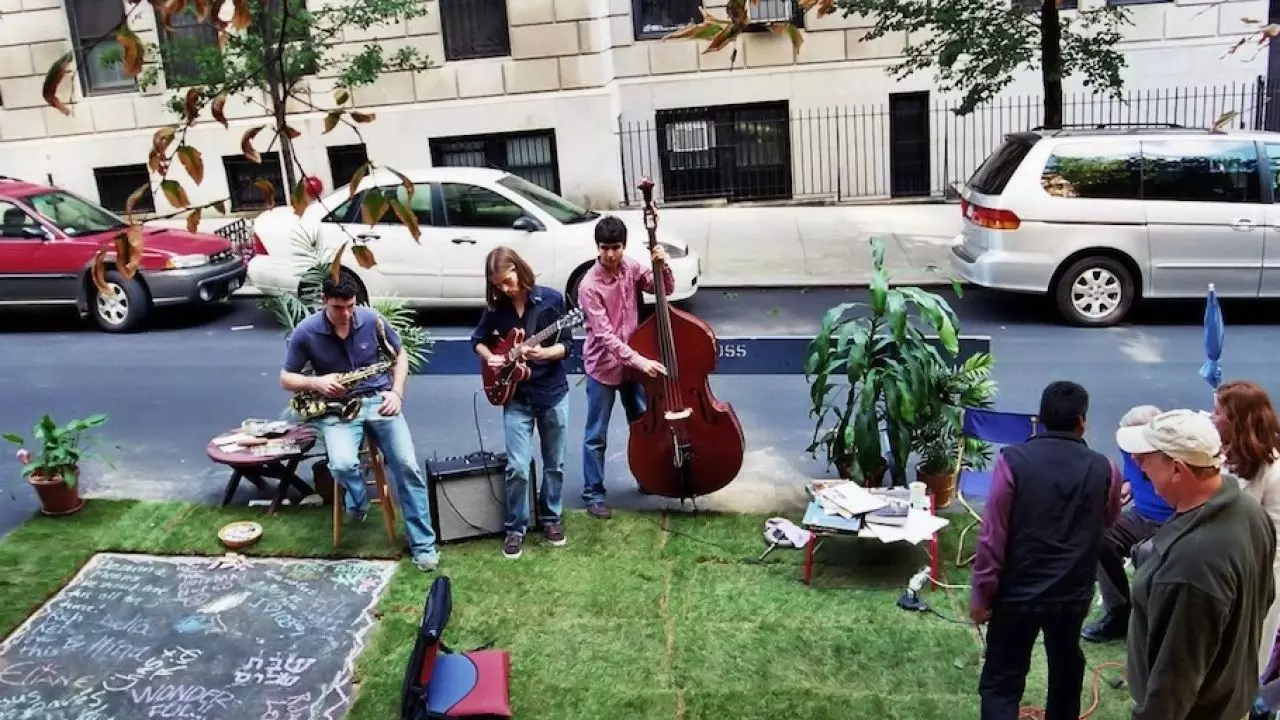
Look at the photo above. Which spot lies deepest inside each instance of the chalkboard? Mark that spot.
(138, 636)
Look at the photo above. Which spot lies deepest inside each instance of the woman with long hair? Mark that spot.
(1250, 432)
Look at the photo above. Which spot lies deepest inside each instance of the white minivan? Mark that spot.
(1100, 217)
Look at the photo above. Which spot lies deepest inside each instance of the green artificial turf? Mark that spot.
(642, 616)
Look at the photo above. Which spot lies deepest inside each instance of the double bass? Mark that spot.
(687, 443)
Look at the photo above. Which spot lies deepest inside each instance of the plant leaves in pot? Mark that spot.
(936, 439)
(52, 464)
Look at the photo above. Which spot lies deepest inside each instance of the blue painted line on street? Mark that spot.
(739, 355)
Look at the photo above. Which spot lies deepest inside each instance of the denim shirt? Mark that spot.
(547, 383)
(314, 342)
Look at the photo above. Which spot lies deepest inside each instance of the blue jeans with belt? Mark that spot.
(519, 419)
(600, 398)
(343, 441)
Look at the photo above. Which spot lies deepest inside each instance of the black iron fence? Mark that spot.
(908, 147)
(240, 233)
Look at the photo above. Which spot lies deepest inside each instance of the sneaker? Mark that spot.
(554, 534)
(427, 561)
(357, 516)
(599, 510)
(511, 547)
(1114, 625)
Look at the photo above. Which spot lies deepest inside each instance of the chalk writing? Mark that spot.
(181, 639)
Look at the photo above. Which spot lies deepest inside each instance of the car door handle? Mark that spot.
(368, 236)
(1243, 224)
(462, 240)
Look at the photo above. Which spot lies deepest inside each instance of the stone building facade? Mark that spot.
(582, 96)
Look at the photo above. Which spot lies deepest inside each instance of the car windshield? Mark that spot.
(557, 207)
(73, 215)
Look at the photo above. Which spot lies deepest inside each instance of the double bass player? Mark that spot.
(609, 296)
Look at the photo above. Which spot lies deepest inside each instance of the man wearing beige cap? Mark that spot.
(1203, 581)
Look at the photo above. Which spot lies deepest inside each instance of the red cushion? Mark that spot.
(492, 694)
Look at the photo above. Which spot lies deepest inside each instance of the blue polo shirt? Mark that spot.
(314, 342)
(547, 383)
(1145, 500)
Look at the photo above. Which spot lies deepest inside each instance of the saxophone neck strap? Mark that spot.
(384, 342)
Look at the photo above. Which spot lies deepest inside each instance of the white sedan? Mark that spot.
(462, 213)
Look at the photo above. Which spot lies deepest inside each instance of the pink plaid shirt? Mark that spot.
(609, 302)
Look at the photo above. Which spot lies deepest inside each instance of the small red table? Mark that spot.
(245, 464)
(834, 525)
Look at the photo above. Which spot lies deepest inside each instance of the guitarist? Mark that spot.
(338, 339)
(512, 301)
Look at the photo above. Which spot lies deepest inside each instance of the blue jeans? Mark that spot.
(343, 441)
(518, 422)
(600, 399)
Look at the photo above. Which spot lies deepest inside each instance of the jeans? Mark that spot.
(343, 441)
(1011, 637)
(599, 411)
(518, 422)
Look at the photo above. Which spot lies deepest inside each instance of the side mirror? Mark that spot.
(527, 224)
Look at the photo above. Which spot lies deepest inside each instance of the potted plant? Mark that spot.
(52, 465)
(936, 437)
(866, 370)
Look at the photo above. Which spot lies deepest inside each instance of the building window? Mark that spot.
(242, 174)
(531, 155)
(775, 11)
(738, 152)
(655, 18)
(1031, 6)
(184, 45)
(116, 184)
(344, 161)
(1136, 2)
(93, 25)
(474, 29)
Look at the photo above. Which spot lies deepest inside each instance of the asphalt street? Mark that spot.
(197, 373)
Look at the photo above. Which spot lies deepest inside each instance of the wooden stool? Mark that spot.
(382, 496)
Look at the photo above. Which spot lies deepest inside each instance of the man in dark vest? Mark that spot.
(1051, 498)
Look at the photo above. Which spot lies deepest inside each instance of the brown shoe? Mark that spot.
(554, 534)
(600, 511)
(512, 547)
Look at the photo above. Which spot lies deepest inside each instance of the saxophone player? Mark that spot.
(339, 339)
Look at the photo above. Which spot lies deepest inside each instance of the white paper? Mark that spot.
(920, 527)
(853, 499)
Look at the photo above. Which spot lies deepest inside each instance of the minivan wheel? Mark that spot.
(1095, 292)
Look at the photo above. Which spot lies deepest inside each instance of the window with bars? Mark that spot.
(1034, 5)
(474, 29)
(655, 18)
(242, 174)
(344, 160)
(93, 25)
(116, 184)
(531, 155)
(772, 11)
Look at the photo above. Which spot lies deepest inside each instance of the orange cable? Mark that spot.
(1031, 712)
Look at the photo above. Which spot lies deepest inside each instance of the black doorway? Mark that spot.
(909, 144)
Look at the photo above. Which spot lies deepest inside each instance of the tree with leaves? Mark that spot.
(264, 49)
(975, 46)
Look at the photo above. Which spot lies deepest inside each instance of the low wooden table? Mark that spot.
(257, 469)
(821, 525)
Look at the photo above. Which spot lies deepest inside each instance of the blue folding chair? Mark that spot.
(997, 428)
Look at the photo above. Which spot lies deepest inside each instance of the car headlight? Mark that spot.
(178, 262)
(672, 251)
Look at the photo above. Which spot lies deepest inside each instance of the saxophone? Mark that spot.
(311, 405)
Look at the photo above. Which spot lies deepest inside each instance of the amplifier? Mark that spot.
(468, 496)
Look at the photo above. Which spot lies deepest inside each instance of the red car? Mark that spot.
(48, 239)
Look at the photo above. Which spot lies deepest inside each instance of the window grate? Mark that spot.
(242, 174)
(474, 29)
(116, 184)
(531, 155)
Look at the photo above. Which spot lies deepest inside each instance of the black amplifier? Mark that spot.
(468, 496)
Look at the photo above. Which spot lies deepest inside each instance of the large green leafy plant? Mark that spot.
(870, 365)
(936, 436)
(57, 450)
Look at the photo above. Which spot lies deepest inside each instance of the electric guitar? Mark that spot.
(500, 383)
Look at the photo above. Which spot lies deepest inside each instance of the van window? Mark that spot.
(1201, 171)
(994, 173)
(1094, 170)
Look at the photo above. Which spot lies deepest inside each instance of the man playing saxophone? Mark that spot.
(342, 339)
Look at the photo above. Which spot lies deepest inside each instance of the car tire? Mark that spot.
(571, 290)
(1095, 292)
(123, 312)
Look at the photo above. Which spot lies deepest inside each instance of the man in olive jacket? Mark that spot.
(1203, 581)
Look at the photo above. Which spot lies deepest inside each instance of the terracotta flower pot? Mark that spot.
(941, 486)
(56, 496)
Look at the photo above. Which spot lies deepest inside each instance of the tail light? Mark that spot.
(989, 218)
(258, 247)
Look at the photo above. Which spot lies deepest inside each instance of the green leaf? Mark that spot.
(15, 439)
